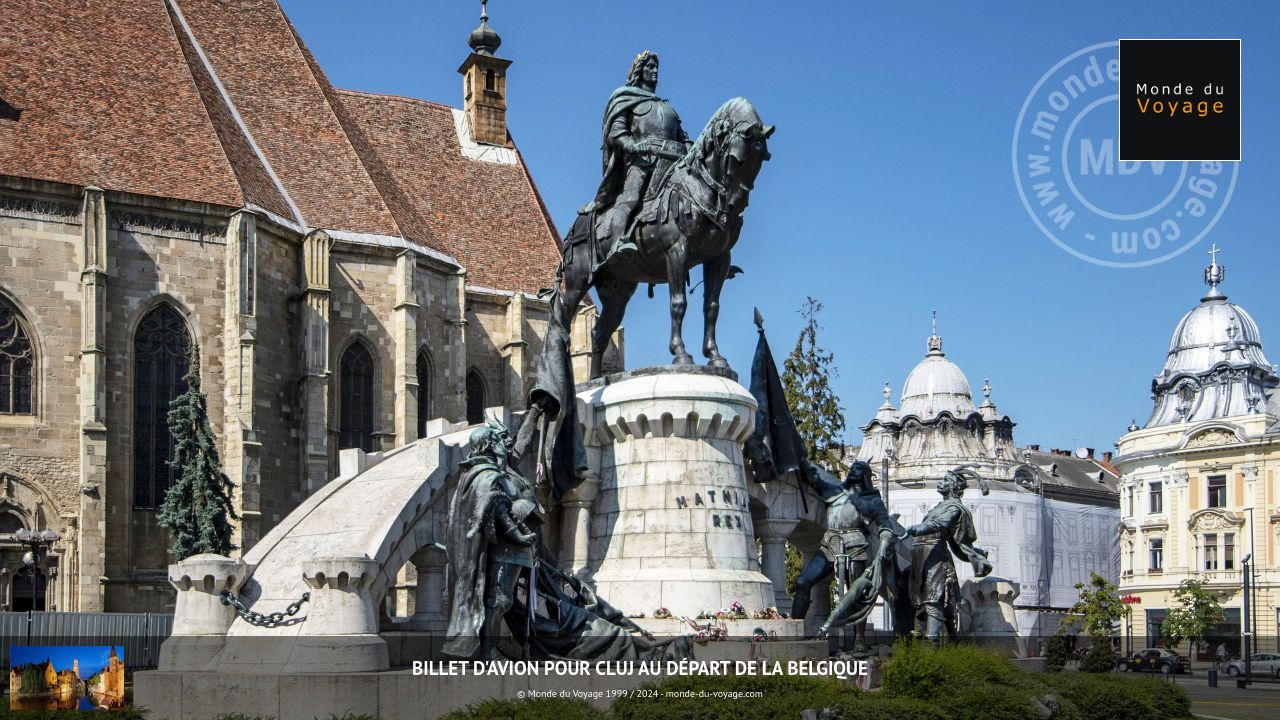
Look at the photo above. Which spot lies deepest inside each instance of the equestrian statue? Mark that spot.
(664, 206)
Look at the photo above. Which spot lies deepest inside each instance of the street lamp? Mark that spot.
(37, 541)
(1248, 651)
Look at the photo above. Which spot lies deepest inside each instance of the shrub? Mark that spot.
(1098, 658)
(783, 698)
(1057, 652)
(881, 707)
(964, 681)
(1113, 697)
(537, 709)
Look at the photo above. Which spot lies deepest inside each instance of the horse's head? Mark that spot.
(732, 149)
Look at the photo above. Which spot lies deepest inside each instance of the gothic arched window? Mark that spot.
(17, 364)
(161, 354)
(424, 392)
(355, 399)
(475, 397)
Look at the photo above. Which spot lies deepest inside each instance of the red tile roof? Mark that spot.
(220, 101)
(487, 215)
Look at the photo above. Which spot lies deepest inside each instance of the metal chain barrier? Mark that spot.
(259, 619)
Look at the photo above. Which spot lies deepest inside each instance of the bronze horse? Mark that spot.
(692, 217)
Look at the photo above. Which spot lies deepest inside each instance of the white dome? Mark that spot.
(936, 385)
(1214, 332)
(1214, 367)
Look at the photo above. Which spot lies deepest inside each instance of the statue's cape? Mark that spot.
(469, 531)
(622, 101)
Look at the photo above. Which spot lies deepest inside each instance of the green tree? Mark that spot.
(806, 377)
(1195, 611)
(1098, 611)
(197, 508)
(1099, 608)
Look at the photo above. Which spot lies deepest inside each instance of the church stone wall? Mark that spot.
(147, 268)
(486, 336)
(436, 306)
(278, 378)
(177, 252)
(361, 306)
(38, 274)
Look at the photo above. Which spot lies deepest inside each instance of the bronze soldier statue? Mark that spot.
(491, 535)
(947, 529)
(642, 138)
(856, 519)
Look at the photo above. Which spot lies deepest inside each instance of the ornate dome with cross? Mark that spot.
(1215, 367)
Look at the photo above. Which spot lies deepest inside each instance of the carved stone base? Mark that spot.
(671, 526)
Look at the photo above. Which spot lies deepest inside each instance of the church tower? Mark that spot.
(484, 84)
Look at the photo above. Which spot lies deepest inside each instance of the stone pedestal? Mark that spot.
(200, 619)
(993, 621)
(341, 630)
(671, 526)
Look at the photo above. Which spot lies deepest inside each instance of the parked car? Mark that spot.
(1262, 664)
(1158, 660)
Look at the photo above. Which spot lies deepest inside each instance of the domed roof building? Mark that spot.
(938, 426)
(1215, 366)
(1050, 518)
(1194, 496)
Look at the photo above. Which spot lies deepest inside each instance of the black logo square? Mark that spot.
(1180, 100)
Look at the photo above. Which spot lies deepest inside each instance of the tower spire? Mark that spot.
(935, 342)
(1214, 275)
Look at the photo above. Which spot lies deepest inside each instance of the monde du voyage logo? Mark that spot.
(1123, 152)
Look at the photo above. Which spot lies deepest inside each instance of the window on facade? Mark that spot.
(475, 397)
(355, 398)
(1211, 551)
(489, 81)
(1156, 547)
(424, 392)
(17, 364)
(1132, 510)
(10, 523)
(161, 353)
(1155, 493)
(1228, 551)
(1218, 491)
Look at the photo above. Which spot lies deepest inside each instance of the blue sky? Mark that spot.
(890, 191)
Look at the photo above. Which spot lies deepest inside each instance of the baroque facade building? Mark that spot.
(1199, 491)
(1050, 517)
(179, 177)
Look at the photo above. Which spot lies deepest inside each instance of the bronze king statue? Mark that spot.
(664, 206)
(642, 140)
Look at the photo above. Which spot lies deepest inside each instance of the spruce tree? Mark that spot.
(806, 378)
(197, 508)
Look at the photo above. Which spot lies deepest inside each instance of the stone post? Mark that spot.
(340, 634)
(242, 449)
(773, 558)
(200, 619)
(315, 359)
(93, 400)
(405, 328)
(513, 353)
(429, 603)
(673, 522)
(575, 541)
